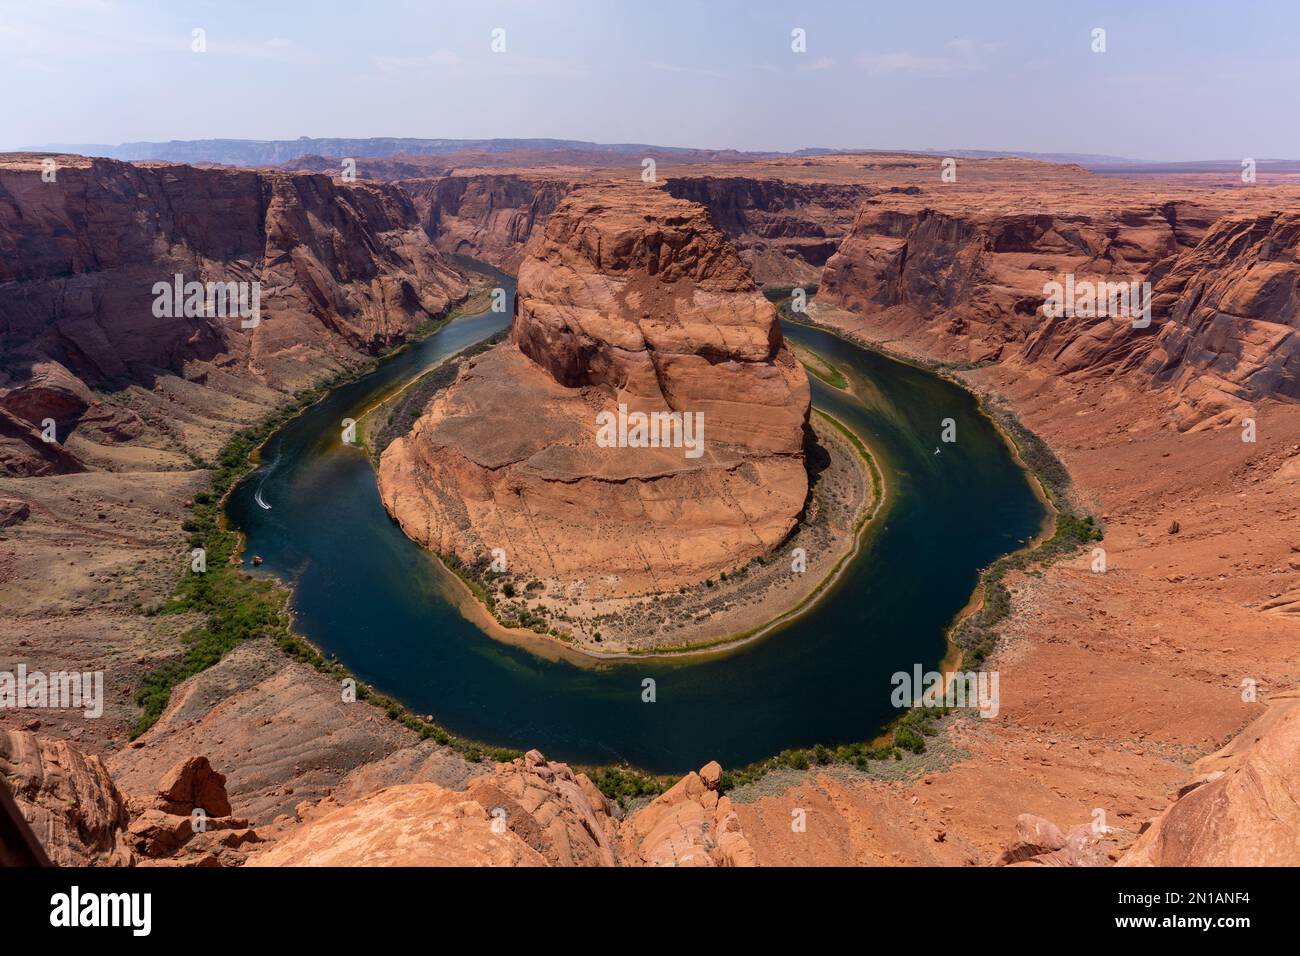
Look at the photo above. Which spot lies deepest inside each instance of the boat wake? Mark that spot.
(257, 495)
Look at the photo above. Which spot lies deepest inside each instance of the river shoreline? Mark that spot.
(475, 607)
(731, 613)
(549, 648)
(1052, 502)
(532, 641)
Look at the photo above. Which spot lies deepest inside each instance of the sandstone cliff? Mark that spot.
(1232, 334)
(964, 275)
(629, 299)
(784, 229)
(529, 812)
(489, 216)
(975, 276)
(342, 270)
(1198, 609)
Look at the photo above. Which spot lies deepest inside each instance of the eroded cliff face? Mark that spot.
(341, 270)
(527, 812)
(974, 278)
(967, 278)
(489, 217)
(68, 799)
(1232, 306)
(784, 231)
(629, 303)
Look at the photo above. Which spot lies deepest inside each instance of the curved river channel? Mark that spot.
(390, 611)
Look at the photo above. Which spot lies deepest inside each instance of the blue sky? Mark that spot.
(1178, 80)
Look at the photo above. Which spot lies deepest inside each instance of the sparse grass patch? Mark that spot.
(237, 607)
(977, 634)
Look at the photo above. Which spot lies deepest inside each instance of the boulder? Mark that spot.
(193, 783)
(1034, 837)
(13, 511)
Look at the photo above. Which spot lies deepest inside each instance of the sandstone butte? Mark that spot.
(632, 298)
(957, 270)
(1147, 422)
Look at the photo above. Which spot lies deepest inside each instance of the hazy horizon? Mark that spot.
(1175, 83)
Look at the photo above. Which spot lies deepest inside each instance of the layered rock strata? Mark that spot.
(1195, 298)
(335, 270)
(68, 798)
(487, 216)
(629, 303)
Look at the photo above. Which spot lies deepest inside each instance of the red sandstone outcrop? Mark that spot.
(530, 812)
(193, 783)
(964, 274)
(48, 391)
(630, 299)
(1233, 307)
(25, 452)
(342, 269)
(1040, 842)
(81, 818)
(68, 798)
(187, 821)
(46, 399)
(556, 812)
(488, 216)
(689, 825)
(1241, 807)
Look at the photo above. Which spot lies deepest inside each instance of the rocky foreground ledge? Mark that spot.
(1237, 809)
(528, 812)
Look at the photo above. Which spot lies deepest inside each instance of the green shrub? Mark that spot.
(622, 785)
